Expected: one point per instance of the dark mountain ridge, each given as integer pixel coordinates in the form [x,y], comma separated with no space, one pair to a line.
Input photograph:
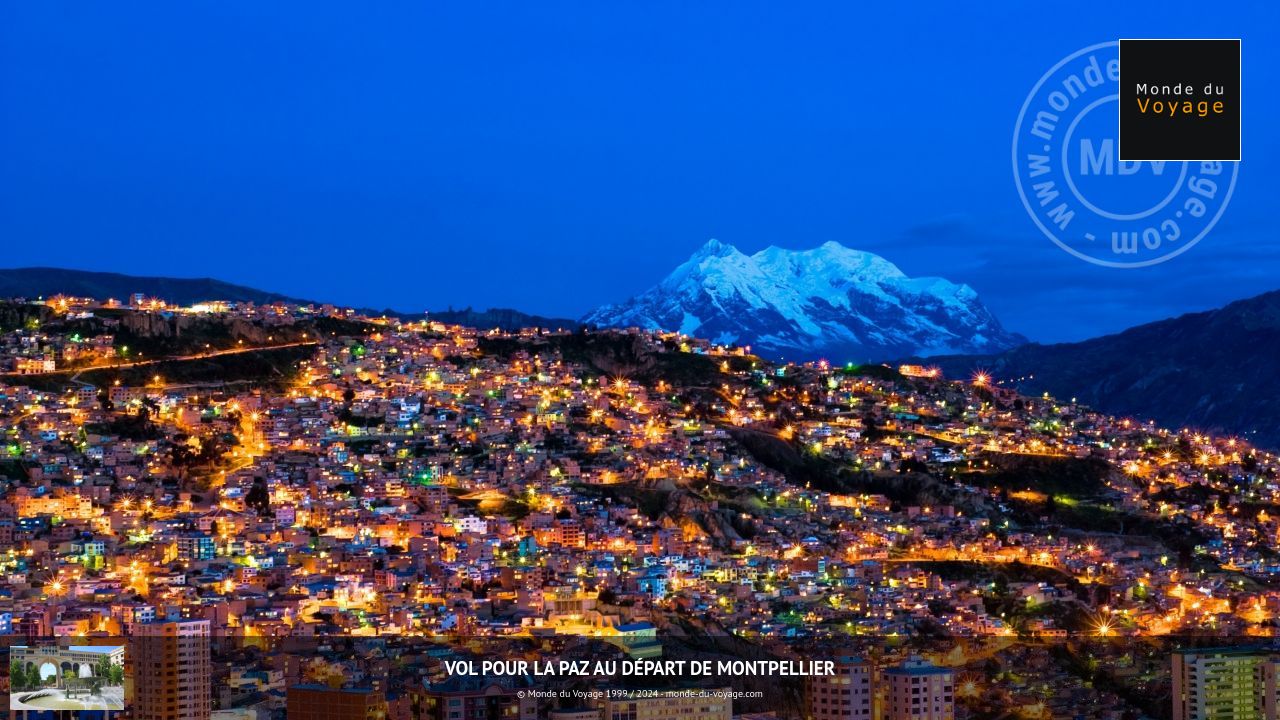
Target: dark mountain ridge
[1216,371]
[38,282]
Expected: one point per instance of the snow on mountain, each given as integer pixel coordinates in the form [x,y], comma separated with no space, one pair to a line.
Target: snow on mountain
[830,302]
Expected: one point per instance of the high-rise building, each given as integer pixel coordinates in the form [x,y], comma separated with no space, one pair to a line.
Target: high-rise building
[195,546]
[577,713]
[919,690]
[320,702]
[1223,684]
[669,705]
[1269,688]
[466,698]
[844,695]
[170,668]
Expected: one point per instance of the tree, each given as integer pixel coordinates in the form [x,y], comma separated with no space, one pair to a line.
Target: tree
[1000,586]
[17,675]
[181,455]
[1183,449]
[258,497]
[95,686]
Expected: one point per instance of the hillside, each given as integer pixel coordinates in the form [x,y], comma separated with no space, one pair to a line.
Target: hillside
[36,282]
[1217,371]
[501,318]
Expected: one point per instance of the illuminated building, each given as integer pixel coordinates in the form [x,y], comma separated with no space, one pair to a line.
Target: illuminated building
[1221,684]
[319,702]
[575,714]
[1269,688]
[919,371]
[170,669]
[919,690]
[689,704]
[846,695]
[196,547]
[472,699]
[81,661]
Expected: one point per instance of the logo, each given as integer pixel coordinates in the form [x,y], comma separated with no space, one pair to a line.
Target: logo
[1180,100]
[1070,178]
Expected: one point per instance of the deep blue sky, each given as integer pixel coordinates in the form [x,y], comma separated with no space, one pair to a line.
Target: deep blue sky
[555,156]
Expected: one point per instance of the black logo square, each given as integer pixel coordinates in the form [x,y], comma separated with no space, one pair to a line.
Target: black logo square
[1179,100]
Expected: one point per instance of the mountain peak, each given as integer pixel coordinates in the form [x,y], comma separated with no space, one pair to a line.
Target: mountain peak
[828,301]
[714,248]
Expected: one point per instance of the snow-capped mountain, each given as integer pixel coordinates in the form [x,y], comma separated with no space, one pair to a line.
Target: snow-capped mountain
[829,302]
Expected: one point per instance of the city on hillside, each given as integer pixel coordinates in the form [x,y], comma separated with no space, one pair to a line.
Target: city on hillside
[310,511]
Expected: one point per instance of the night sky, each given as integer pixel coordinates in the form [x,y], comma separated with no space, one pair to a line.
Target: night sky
[555,156]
